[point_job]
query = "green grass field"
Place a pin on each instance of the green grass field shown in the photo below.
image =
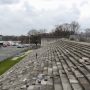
(8, 63)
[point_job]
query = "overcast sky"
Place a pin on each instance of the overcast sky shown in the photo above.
(19, 16)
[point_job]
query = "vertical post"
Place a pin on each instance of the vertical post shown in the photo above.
(36, 55)
(29, 40)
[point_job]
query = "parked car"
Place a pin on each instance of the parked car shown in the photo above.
(4, 45)
(20, 46)
(26, 45)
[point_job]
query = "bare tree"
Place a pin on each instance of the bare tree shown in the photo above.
(74, 26)
(41, 31)
(36, 32)
(33, 32)
(63, 30)
(35, 36)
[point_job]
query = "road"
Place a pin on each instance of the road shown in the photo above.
(9, 51)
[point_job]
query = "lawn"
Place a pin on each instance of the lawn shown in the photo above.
(8, 63)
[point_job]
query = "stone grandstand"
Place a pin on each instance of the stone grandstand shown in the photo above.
(60, 65)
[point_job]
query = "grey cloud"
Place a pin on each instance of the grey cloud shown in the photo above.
(8, 1)
(84, 3)
(15, 22)
(85, 23)
(21, 22)
(56, 17)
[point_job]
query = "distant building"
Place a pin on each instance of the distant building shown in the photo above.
(0, 37)
(45, 41)
(74, 37)
(1, 42)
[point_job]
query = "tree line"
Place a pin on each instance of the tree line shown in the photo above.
(60, 31)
